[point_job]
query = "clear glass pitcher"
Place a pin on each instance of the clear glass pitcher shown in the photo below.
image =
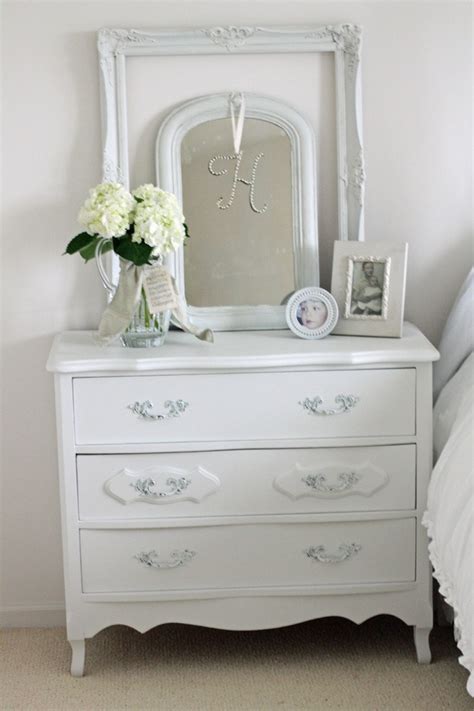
(145, 329)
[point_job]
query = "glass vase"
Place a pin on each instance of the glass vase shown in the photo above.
(146, 330)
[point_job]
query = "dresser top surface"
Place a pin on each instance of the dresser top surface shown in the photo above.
(79, 352)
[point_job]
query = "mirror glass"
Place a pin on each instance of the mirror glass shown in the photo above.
(238, 209)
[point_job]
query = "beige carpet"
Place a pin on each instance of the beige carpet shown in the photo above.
(326, 664)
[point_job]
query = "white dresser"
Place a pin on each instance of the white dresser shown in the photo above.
(255, 482)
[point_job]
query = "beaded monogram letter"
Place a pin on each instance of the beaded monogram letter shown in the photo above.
(221, 203)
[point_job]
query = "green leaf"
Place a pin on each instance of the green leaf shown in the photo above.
(137, 252)
(88, 252)
(186, 231)
(79, 242)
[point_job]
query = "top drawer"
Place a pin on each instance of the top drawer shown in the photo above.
(238, 406)
(254, 406)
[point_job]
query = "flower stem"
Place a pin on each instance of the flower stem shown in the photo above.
(146, 309)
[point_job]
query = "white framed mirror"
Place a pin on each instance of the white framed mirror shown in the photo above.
(303, 48)
(252, 215)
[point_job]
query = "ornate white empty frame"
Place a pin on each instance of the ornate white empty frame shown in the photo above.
(344, 40)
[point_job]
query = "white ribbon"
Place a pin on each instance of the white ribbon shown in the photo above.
(237, 127)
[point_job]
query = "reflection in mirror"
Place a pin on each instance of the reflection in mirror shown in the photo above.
(239, 213)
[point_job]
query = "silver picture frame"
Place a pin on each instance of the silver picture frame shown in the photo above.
(368, 283)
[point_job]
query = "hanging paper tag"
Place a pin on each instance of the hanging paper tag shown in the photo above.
(159, 291)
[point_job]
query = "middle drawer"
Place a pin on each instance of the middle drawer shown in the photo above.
(237, 482)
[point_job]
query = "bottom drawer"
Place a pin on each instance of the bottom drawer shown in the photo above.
(247, 556)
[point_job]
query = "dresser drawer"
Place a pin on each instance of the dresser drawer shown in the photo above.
(226, 407)
(247, 556)
(234, 482)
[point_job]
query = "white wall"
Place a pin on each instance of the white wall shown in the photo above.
(416, 92)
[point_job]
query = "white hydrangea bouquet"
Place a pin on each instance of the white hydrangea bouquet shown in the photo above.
(141, 227)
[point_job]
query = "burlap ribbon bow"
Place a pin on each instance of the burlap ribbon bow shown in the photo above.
(161, 292)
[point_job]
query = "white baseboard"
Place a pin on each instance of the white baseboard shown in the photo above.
(50, 615)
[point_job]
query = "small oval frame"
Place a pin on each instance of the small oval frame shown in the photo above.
(316, 294)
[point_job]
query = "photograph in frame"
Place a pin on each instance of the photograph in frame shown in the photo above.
(368, 284)
(367, 288)
(311, 313)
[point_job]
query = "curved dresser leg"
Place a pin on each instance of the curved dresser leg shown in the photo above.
(78, 647)
(422, 643)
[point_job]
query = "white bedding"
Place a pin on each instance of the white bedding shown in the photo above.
(450, 514)
(457, 341)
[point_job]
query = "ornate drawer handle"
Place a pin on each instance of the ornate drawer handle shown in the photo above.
(143, 487)
(319, 482)
(344, 552)
(142, 409)
(177, 558)
(345, 403)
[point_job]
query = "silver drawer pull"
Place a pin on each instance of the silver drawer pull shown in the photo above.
(344, 552)
(177, 558)
(319, 482)
(345, 403)
(142, 409)
(143, 487)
